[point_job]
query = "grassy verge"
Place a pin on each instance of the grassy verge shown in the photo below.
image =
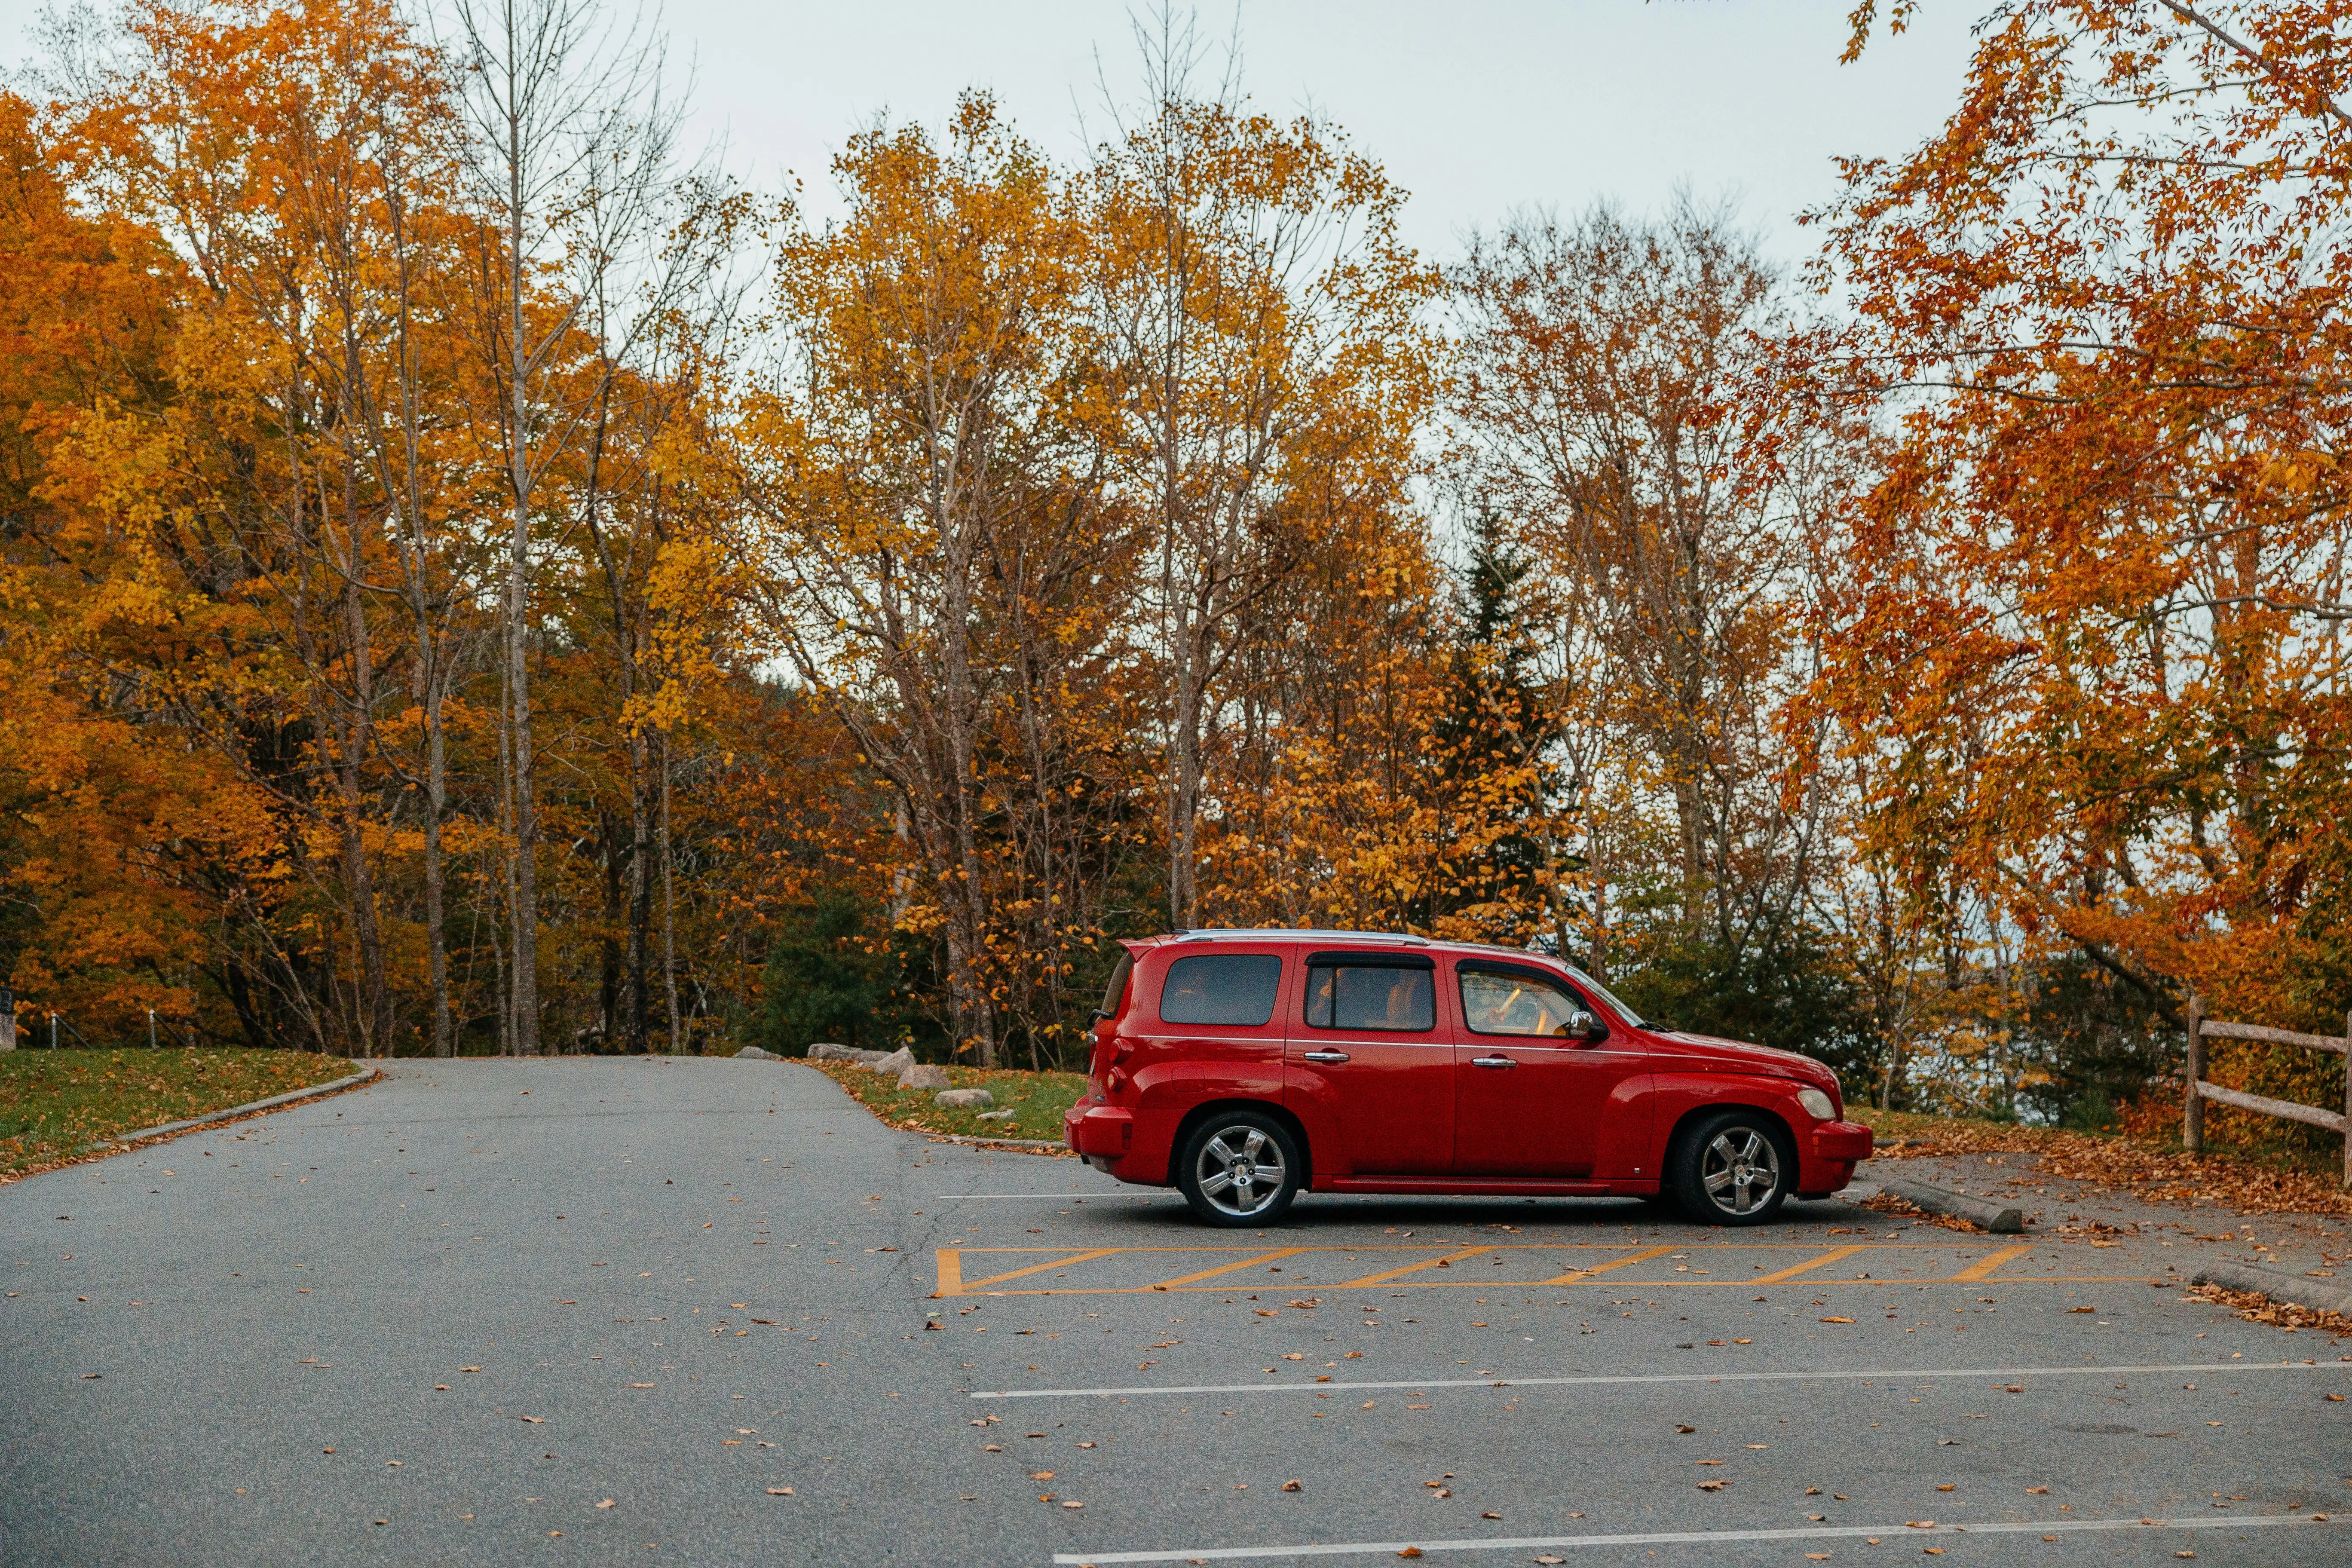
(53, 1102)
(1037, 1100)
(2253, 1182)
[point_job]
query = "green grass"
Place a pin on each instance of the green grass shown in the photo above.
(53, 1102)
(1038, 1099)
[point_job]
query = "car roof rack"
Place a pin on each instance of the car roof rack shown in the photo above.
(1286, 933)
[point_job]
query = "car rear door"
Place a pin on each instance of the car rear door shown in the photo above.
(1218, 1030)
(1530, 1102)
(1369, 1065)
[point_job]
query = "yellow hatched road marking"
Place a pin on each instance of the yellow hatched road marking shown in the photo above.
(951, 1280)
(1805, 1267)
(1228, 1268)
(1041, 1268)
(1576, 1275)
(1984, 1268)
(1450, 1257)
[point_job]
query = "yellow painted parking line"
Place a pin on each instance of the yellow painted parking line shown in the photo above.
(1805, 1267)
(1183, 1279)
(950, 1273)
(1984, 1268)
(1041, 1268)
(1575, 1274)
(1450, 1257)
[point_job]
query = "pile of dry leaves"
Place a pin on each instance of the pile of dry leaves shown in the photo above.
(2152, 1175)
(2257, 1309)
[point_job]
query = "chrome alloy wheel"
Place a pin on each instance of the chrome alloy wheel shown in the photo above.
(1240, 1171)
(1741, 1170)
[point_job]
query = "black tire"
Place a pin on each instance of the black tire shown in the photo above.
(1235, 1145)
(1735, 1167)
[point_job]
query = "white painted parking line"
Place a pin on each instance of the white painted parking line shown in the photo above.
(1898, 1374)
(1684, 1538)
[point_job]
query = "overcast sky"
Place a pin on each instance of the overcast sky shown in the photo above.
(1474, 107)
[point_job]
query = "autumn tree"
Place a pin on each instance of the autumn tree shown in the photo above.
(1624, 400)
(1255, 304)
(2097, 639)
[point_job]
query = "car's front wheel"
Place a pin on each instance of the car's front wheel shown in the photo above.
(1737, 1167)
(1240, 1167)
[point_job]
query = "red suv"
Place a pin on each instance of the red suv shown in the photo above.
(1245, 1066)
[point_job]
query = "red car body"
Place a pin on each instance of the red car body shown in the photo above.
(1376, 1109)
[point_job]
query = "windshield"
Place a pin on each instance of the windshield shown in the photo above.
(1603, 991)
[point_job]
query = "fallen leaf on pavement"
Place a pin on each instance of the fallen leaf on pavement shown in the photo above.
(606, 1504)
(1837, 1319)
(1291, 1486)
(1073, 1505)
(2038, 1492)
(780, 1491)
(1409, 1551)
(1041, 1475)
(536, 1420)
(1713, 1486)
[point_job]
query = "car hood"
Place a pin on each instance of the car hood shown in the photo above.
(1750, 1057)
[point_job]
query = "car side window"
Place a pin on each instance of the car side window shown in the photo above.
(1237, 990)
(1365, 996)
(1515, 1004)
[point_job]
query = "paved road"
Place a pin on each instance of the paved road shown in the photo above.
(444, 1318)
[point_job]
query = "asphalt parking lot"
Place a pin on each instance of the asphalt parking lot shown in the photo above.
(644, 1311)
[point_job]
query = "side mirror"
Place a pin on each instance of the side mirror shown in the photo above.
(1583, 1026)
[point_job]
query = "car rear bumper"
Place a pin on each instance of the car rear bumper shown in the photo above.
(1098, 1131)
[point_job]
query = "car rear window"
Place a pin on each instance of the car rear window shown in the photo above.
(1235, 989)
(1351, 996)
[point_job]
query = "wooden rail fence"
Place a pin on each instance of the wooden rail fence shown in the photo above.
(2201, 1028)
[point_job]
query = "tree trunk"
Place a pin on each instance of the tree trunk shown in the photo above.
(526, 814)
(669, 908)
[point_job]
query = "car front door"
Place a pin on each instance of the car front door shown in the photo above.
(1368, 1059)
(1529, 1098)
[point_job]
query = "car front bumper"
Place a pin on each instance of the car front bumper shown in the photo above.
(1828, 1161)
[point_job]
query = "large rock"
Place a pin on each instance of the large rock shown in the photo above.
(756, 1054)
(964, 1099)
(894, 1064)
(826, 1051)
(923, 1075)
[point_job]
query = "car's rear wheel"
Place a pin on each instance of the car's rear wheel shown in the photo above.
(1240, 1167)
(1735, 1167)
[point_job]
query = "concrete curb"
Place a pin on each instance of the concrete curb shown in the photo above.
(2322, 1295)
(2002, 1219)
(168, 1127)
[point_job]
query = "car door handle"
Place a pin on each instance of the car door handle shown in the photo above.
(1492, 1062)
(1327, 1055)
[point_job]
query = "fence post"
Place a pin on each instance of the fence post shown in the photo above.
(2193, 1118)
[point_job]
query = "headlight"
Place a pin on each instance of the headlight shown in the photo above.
(1817, 1105)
